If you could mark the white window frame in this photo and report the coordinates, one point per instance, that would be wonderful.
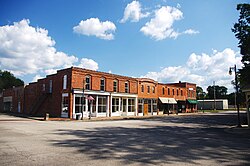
(88, 83)
(126, 87)
(102, 86)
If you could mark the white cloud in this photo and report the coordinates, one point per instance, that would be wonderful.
(133, 12)
(190, 32)
(50, 71)
(202, 69)
(88, 64)
(28, 50)
(94, 27)
(161, 25)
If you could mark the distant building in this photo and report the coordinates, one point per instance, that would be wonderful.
(219, 104)
(75, 92)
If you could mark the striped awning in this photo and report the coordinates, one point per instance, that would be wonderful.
(166, 100)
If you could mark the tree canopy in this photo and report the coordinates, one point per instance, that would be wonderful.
(242, 33)
(8, 80)
(220, 92)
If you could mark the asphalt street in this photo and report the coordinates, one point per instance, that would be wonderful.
(200, 139)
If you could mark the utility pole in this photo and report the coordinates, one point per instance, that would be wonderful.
(214, 97)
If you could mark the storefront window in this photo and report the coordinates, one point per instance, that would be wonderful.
(131, 105)
(79, 104)
(102, 104)
(115, 104)
(140, 106)
(65, 104)
(154, 105)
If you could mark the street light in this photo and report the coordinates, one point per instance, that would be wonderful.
(237, 92)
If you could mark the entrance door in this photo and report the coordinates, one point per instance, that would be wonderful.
(145, 109)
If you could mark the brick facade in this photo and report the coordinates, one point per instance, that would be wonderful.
(76, 92)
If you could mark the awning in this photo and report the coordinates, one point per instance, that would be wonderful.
(192, 101)
(166, 100)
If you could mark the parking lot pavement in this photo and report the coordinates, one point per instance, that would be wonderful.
(205, 139)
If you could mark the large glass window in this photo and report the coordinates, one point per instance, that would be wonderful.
(126, 87)
(79, 104)
(102, 84)
(65, 104)
(131, 105)
(115, 104)
(124, 105)
(87, 83)
(102, 104)
(140, 105)
(115, 86)
(149, 106)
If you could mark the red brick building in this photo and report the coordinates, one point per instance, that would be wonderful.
(76, 92)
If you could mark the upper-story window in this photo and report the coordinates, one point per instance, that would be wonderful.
(142, 88)
(87, 82)
(173, 91)
(177, 92)
(181, 93)
(148, 89)
(50, 86)
(65, 82)
(168, 91)
(115, 89)
(163, 90)
(126, 87)
(153, 89)
(102, 84)
(43, 87)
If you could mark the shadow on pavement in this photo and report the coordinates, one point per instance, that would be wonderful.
(160, 144)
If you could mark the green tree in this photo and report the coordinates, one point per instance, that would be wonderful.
(220, 92)
(200, 94)
(8, 80)
(242, 33)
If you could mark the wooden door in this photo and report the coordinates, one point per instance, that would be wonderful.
(145, 109)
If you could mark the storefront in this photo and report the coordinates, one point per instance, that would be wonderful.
(167, 105)
(147, 107)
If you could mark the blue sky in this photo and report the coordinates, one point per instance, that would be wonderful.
(166, 40)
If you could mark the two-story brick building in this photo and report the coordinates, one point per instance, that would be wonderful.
(75, 92)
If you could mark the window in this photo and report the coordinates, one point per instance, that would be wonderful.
(115, 104)
(148, 89)
(87, 83)
(131, 105)
(102, 104)
(43, 87)
(163, 91)
(181, 93)
(50, 86)
(124, 105)
(173, 91)
(168, 91)
(140, 105)
(102, 84)
(79, 104)
(154, 105)
(126, 87)
(115, 86)
(177, 92)
(65, 104)
(65, 82)
(142, 88)
(153, 89)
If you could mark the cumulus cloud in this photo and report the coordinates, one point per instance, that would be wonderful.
(28, 50)
(94, 27)
(202, 69)
(161, 25)
(88, 64)
(133, 12)
(36, 78)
